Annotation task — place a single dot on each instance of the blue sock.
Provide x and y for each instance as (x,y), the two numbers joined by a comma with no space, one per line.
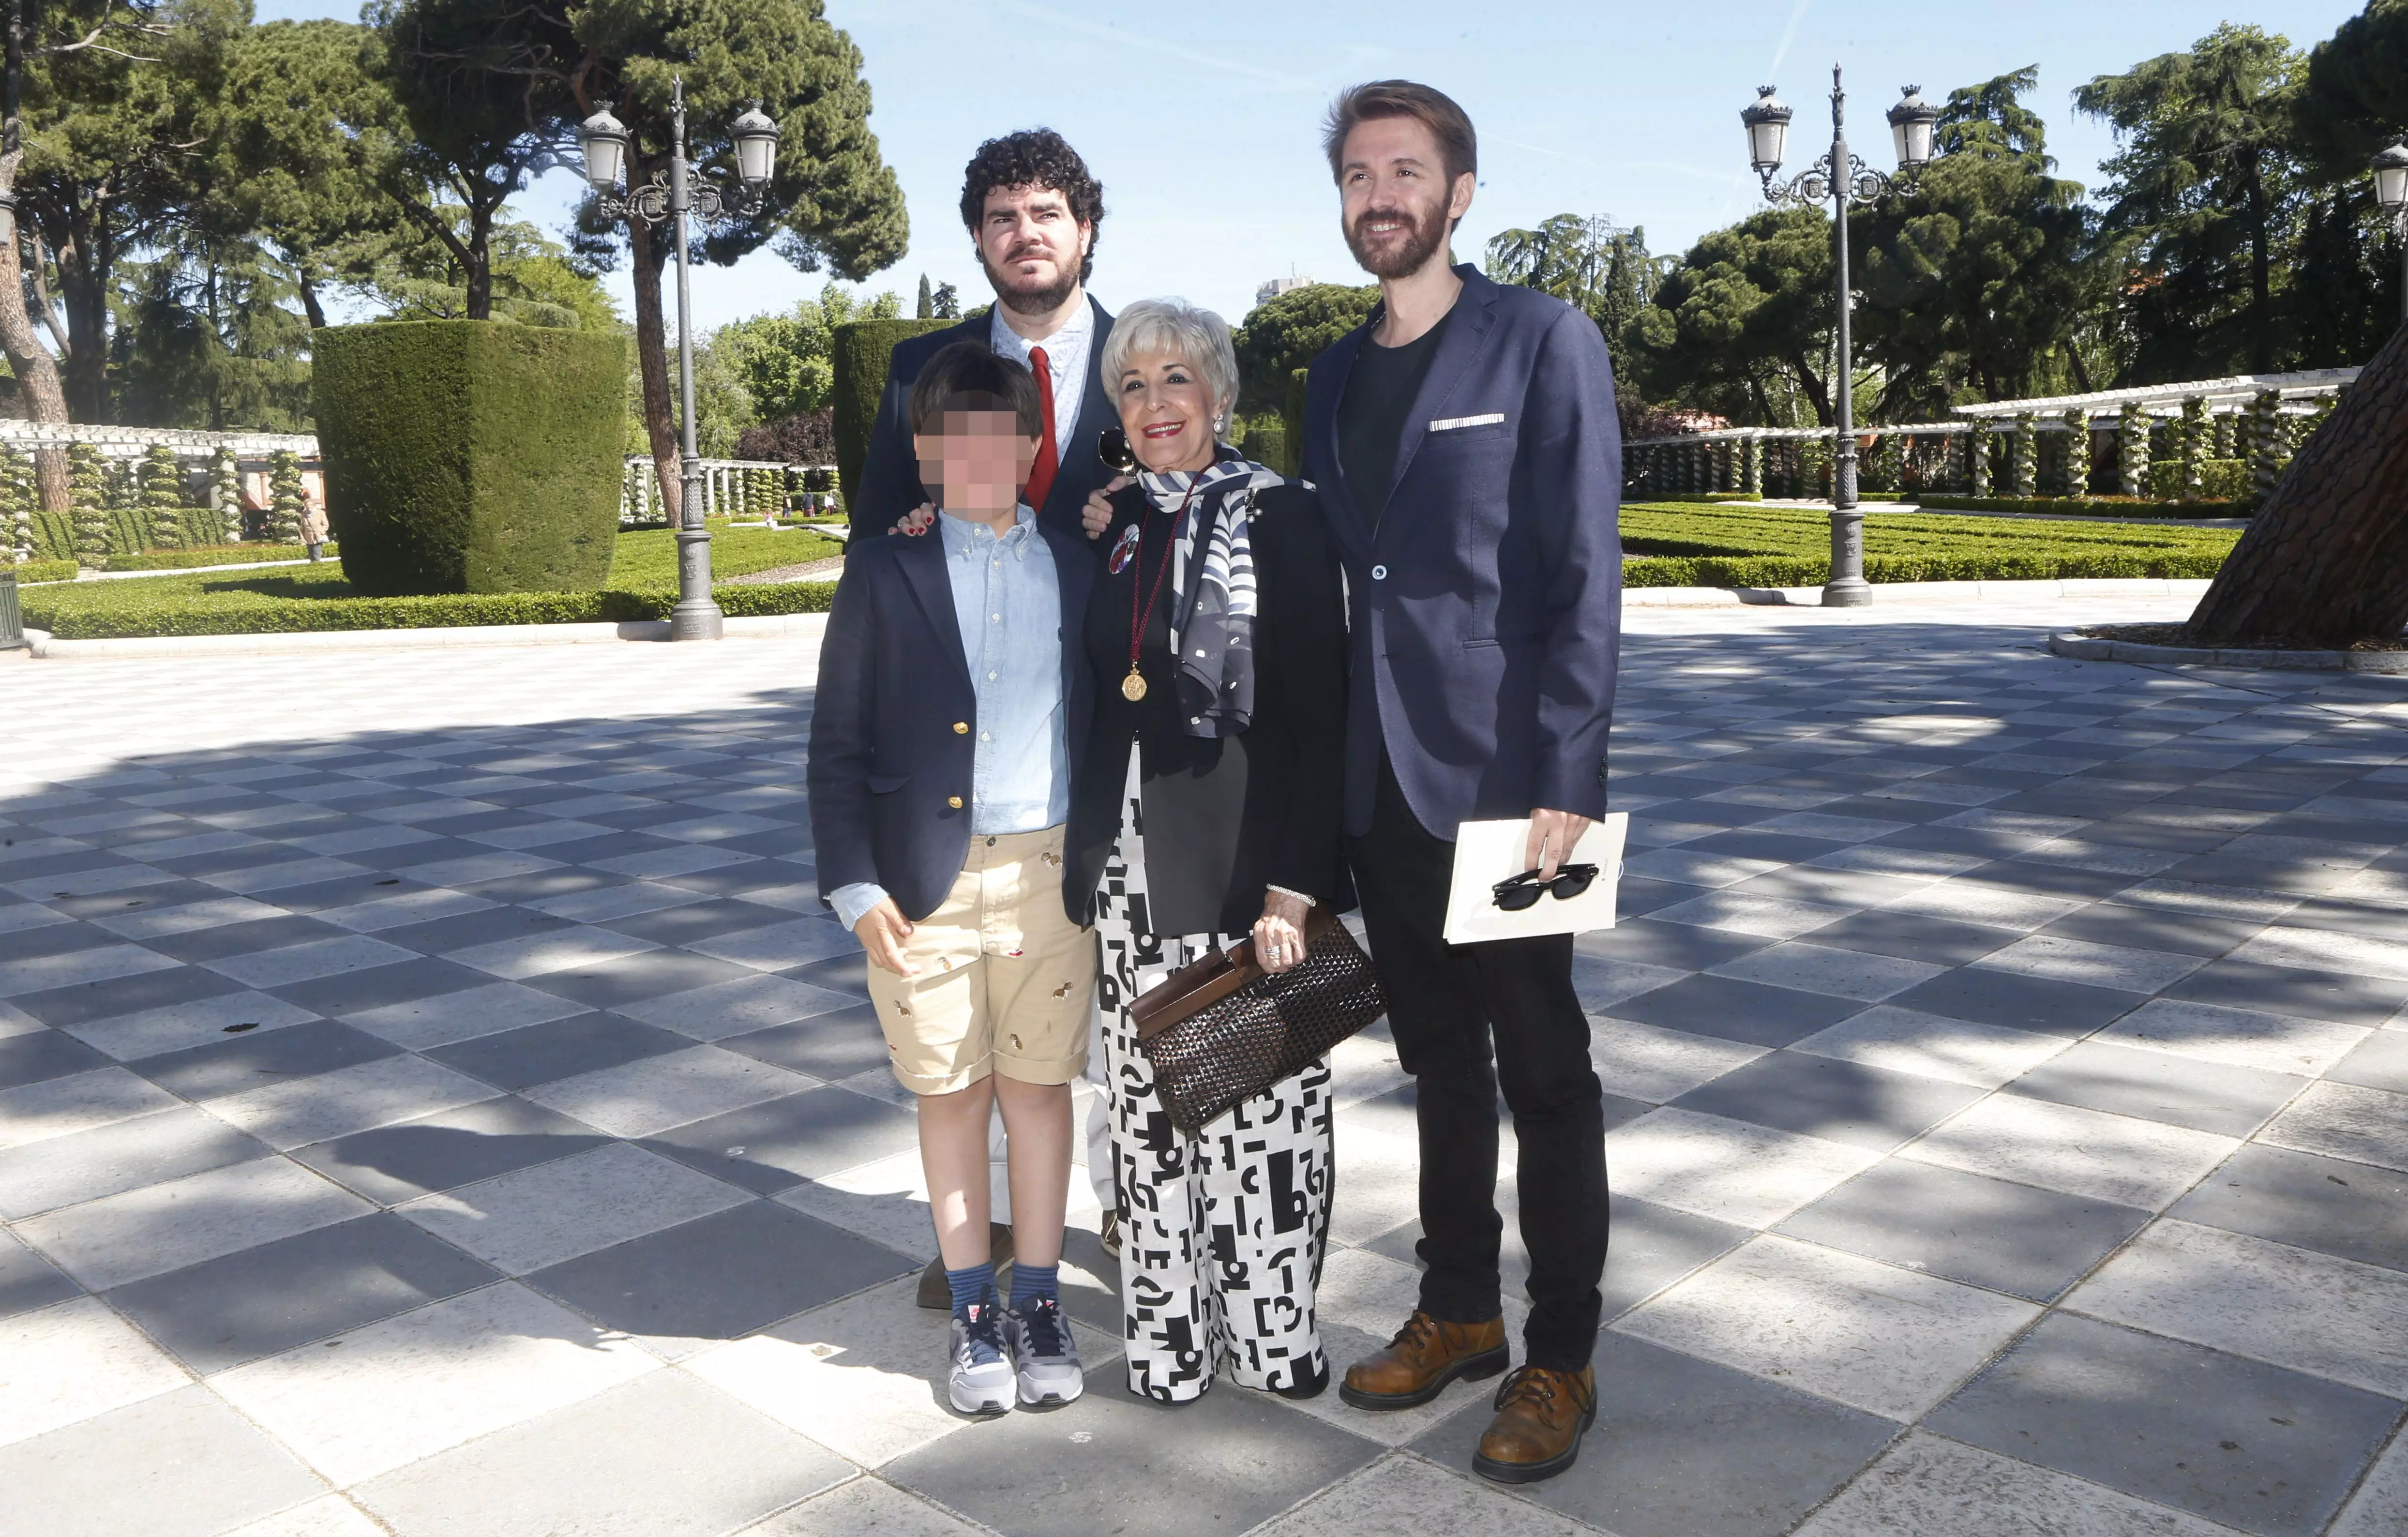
(971,1283)
(1033,1283)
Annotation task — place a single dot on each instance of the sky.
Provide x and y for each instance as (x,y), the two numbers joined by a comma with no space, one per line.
(1203,124)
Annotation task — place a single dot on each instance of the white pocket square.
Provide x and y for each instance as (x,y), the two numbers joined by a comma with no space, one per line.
(1452,423)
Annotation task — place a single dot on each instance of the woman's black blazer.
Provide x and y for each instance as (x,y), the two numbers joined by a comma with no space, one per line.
(1224,817)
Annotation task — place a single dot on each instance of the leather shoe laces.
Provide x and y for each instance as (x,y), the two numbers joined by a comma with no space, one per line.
(1527,1385)
(1417,1333)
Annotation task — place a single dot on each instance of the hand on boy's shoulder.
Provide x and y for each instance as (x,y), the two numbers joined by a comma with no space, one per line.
(916,522)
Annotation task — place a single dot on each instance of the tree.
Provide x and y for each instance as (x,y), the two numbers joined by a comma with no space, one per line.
(1593,264)
(2325,562)
(2353,100)
(1288,331)
(1744,322)
(2206,189)
(1980,276)
(206,337)
(948,302)
(531,279)
(770,367)
(927,309)
(835,203)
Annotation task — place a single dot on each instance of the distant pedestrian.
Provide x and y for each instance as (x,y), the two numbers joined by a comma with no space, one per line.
(314,531)
(1465,443)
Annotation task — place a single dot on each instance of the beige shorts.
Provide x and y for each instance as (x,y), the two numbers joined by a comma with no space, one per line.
(1005,978)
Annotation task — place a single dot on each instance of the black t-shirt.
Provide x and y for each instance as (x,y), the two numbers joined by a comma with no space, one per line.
(1371,414)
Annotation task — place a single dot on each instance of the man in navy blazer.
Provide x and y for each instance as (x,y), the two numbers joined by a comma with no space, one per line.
(1466,445)
(1031,207)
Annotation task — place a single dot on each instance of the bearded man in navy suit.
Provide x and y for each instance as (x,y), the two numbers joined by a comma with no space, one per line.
(1464,443)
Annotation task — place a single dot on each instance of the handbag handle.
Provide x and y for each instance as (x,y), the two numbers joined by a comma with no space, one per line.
(1203,983)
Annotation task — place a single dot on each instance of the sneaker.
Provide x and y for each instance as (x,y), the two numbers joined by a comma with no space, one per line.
(981,1377)
(1043,1351)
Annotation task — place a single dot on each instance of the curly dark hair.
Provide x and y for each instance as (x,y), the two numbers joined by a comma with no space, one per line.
(1034,157)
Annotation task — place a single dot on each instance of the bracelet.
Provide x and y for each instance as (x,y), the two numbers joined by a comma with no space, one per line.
(1300,897)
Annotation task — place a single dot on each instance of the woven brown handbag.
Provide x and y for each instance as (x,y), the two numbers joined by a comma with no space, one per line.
(1222,1030)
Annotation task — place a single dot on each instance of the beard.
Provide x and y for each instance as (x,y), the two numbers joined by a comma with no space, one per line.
(1032,301)
(1424,239)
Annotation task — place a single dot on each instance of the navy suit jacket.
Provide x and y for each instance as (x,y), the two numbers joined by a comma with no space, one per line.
(894,725)
(890,470)
(1487,608)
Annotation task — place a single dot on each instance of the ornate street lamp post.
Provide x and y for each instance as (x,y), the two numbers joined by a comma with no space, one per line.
(2390,170)
(1842,179)
(674,194)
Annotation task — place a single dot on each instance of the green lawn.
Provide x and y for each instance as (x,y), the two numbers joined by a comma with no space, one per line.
(1679,544)
(644,584)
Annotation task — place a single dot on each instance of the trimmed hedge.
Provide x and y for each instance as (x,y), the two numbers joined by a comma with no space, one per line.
(858,353)
(1692,544)
(2220,480)
(471,456)
(202,556)
(45,570)
(284,606)
(2086,506)
(1806,571)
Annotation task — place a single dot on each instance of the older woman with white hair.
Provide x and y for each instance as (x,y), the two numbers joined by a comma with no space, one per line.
(1206,807)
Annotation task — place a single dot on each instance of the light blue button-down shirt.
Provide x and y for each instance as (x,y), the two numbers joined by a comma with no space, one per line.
(1007,602)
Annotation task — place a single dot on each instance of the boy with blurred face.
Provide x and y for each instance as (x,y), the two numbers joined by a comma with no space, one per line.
(939,787)
(1464,443)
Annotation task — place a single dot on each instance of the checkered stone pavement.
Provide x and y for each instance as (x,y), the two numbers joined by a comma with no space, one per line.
(433,1101)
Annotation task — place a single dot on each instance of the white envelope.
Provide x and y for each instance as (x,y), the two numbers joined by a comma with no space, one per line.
(1487,853)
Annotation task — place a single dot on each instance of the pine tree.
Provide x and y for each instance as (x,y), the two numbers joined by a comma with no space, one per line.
(927,299)
(284,498)
(163,496)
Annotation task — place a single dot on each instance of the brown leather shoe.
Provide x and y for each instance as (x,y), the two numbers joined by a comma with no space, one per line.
(1424,1357)
(1540,1416)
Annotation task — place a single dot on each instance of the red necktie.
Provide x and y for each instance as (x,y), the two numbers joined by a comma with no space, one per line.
(1040,474)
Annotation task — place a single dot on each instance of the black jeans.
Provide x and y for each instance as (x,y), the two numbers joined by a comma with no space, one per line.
(1446,1005)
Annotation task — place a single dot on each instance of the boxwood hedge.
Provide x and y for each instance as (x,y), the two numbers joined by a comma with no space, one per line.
(858,355)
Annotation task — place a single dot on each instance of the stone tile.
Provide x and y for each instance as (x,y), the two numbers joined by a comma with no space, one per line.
(2344,1121)
(2342,997)
(89,1165)
(474,868)
(2333,1318)
(2157,1086)
(331,1517)
(1961,900)
(631,979)
(555,1210)
(1871,1336)
(1817,968)
(405,911)
(44,1055)
(604,903)
(1725,1170)
(1989,996)
(250,1060)
(68,1363)
(746,1004)
(1408,1493)
(1652,1064)
(2016,1239)
(410,1387)
(261,1301)
(1836,1101)
(2093,965)
(777,946)
(1747,1012)
(2235,1440)
(449,1148)
(1242,1458)
(2147,928)
(336,1104)
(559,950)
(829,1047)
(2381,1062)
(2325,949)
(718,1277)
(2240,1038)
(1603,981)
(310,961)
(663,1456)
(1953,1051)
(58,1107)
(1684,1448)
(1652,1247)
(1696,868)
(1925,1484)
(355,992)
(2083,1151)
(771,1146)
(149,921)
(490,924)
(165,1227)
(2353,1210)
(75,968)
(178,1026)
(562,1048)
(2381,1504)
(423,1024)
(642,1098)
(27,1281)
(1677,947)
(178,1465)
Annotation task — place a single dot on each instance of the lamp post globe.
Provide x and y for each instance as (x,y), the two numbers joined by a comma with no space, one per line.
(603,140)
(2390,170)
(1911,123)
(1768,131)
(756,137)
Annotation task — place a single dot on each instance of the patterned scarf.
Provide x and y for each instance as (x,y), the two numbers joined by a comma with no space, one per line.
(1213,588)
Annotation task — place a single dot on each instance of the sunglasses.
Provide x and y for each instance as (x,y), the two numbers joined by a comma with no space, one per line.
(1524,890)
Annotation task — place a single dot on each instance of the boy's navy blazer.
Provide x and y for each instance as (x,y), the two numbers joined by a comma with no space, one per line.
(894,726)
(1508,481)
(890,471)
